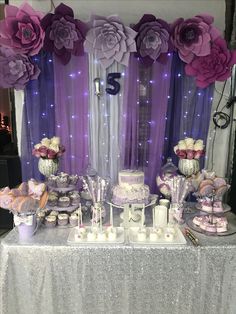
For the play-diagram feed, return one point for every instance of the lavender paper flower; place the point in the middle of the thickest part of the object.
(110, 40)
(153, 39)
(16, 70)
(193, 37)
(64, 34)
(21, 29)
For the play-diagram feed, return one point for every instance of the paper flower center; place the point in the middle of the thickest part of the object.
(152, 40)
(63, 34)
(189, 34)
(17, 68)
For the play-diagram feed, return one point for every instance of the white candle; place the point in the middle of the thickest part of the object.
(100, 212)
(111, 215)
(160, 216)
(143, 210)
(164, 202)
(81, 219)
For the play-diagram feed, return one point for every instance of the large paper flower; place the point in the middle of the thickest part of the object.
(110, 40)
(21, 29)
(153, 39)
(16, 70)
(192, 37)
(214, 67)
(64, 34)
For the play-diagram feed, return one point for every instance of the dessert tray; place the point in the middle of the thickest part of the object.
(153, 199)
(226, 208)
(178, 237)
(231, 226)
(63, 209)
(74, 238)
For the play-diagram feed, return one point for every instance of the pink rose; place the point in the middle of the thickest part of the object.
(190, 153)
(36, 153)
(198, 154)
(51, 154)
(43, 151)
(192, 37)
(21, 29)
(181, 154)
(214, 67)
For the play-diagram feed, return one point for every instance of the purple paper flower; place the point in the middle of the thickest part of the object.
(64, 34)
(153, 39)
(192, 37)
(214, 67)
(110, 40)
(16, 70)
(21, 29)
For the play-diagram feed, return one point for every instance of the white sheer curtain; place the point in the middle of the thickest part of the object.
(104, 121)
(19, 104)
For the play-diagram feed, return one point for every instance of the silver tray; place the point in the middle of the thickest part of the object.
(231, 226)
(119, 239)
(179, 238)
(63, 209)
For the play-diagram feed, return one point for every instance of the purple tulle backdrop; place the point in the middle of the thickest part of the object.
(71, 111)
(157, 81)
(189, 110)
(38, 111)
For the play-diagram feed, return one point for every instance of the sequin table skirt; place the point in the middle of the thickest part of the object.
(48, 276)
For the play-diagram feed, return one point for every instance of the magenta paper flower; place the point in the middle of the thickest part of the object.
(21, 29)
(64, 34)
(192, 37)
(152, 40)
(110, 40)
(214, 67)
(16, 70)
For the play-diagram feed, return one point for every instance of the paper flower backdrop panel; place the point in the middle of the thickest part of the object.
(110, 40)
(64, 35)
(21, 29)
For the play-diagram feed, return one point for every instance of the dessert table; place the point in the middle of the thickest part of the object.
(48, 276)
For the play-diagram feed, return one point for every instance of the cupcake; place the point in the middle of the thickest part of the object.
(52, 180)
(64, 201)
(75, 198)
(73, 220)
(73, 179)
(62, 182)
(52, 200)
(50, 221)
(41, 215)
(54, 213)
(62, 219)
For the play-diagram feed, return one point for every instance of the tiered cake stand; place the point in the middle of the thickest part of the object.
(231, 228)
(63, 192)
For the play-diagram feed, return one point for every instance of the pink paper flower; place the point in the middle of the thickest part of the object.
(110, 40)
(51, 154)
(214, 67)
(192, 37)
(21, 30)
(152, 40)
(65, 35)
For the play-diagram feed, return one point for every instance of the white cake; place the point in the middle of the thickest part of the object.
(131, 188)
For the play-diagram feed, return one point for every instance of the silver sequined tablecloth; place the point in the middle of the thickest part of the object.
(48, 276)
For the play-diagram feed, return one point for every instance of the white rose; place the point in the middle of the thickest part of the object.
(182, 146)
(46, 142)
(55, 140)
(54, 147)
(176, 148)
(37, 146)
(198, 146)
(189, 141)
(190, 146)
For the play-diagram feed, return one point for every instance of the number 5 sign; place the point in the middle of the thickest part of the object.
(111, 80)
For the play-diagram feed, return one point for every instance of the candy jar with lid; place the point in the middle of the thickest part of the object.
(169, 170)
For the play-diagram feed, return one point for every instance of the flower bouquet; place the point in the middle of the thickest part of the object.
(189, 151)
(48, 151)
